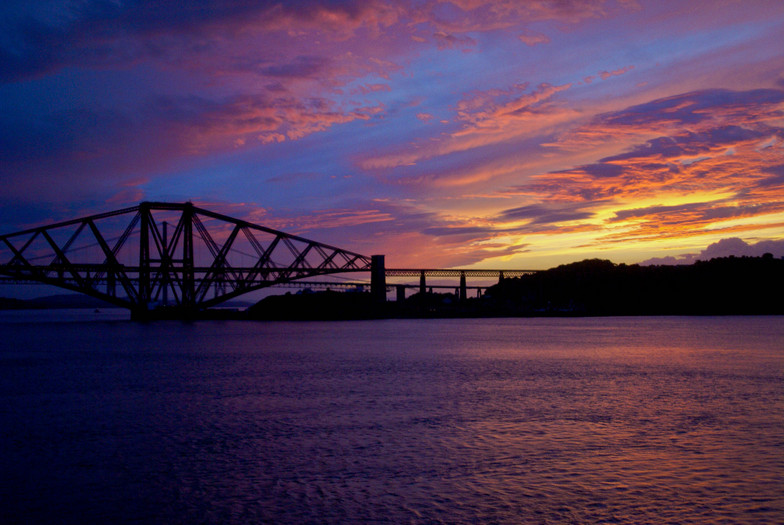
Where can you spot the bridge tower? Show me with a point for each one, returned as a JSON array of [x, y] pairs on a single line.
[[378, 279]]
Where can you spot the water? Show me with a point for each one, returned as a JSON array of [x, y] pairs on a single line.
[[613, 420]]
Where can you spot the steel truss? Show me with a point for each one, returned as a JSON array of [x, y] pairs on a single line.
[[183, 253]]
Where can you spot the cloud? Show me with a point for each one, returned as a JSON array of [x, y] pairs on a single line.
[[707, 175], [608, 74], [598, 170], [300, 67], [486, 118], [101, 34], [700, 129], [43, 38], [449, 41], [486, 109], [729, 247], [217, 76], [367, 89], [688, 143], [691, 219], [533, 38], [478, 15], [774, 182], [323, 219], [212, 94], [84, 144], [404, 231], [698, 107], [211, 76], [472, 231], [544, 214], [292, 117]]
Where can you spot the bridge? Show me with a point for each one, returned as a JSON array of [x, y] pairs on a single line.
[[180, 258]]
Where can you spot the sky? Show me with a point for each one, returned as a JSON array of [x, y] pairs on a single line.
[[463, 133]]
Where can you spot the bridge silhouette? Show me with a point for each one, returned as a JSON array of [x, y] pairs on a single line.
[[179, 259]]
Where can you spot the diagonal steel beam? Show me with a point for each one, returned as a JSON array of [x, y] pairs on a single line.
[[218, 264], [113, 264], [60, 255]]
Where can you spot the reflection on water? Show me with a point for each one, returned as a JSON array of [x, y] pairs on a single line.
[[630, 420]]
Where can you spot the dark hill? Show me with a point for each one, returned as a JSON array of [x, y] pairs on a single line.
[[731, 285], [328, 305]]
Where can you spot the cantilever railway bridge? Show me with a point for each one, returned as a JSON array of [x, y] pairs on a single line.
[[183, 258]]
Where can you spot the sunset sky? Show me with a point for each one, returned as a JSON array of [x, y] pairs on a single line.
[[500, 134]]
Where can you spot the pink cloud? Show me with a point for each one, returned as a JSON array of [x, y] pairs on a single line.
[[608, 74], [533, 38], [252, 118], [478, 15]]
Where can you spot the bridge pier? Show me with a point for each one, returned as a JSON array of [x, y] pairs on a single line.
[[463, 290], [378, 279]]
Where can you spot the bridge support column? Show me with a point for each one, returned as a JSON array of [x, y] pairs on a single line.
[[463, 290], [188, 299], [401, 293], [422, 283], [378, 279], [145, 292], [167, 255]]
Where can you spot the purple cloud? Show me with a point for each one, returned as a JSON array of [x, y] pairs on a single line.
[[693, 108], [300, 67], [691, 143], [543, 214]]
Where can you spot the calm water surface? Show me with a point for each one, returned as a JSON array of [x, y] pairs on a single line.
[[613, 420]]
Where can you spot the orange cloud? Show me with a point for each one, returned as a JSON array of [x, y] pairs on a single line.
[[267, 120], [720, 160]]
